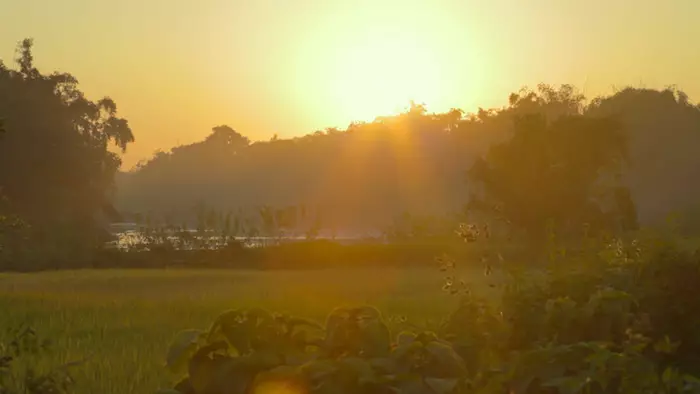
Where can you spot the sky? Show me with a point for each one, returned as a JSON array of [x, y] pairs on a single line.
[[177, 68]]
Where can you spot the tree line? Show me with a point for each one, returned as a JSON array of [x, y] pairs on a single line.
[[549, 159], [549, 154]]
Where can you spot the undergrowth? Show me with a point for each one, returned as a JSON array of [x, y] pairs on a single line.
[[614, 320]]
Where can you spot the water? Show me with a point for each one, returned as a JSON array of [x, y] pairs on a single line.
[[126, 237]]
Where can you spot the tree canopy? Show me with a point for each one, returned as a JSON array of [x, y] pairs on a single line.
[[549, 155], [554, 173], [56, 166], [370, 172]]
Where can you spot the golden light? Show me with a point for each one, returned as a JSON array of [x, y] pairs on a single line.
[[380, 73], [278, 387]]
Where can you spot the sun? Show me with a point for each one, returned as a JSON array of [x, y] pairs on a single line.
[[382, 73]]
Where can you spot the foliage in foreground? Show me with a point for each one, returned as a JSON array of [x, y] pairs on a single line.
[[17, 373], [611, 325]]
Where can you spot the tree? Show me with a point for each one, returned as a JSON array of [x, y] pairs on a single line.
[[56, 168], [551, 173], [226, 136], [663, 130]]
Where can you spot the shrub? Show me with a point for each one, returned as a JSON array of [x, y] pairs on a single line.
[[255, 351], [17, 373], [616, 321]]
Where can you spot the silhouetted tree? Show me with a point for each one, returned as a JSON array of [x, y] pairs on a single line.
[[55, 166], [663, 130], [551, 173], [370, 172]]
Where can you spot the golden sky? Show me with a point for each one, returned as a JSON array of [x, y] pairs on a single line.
[[176, 68]]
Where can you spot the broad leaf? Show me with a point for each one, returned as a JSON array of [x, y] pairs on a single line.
[[405, 338], [319, 369], [295, 322], [450, 363], [441, 386], [183, 346], [376, 338], [358, 367]]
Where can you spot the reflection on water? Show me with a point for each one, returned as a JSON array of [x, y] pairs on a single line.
[[130, 239]]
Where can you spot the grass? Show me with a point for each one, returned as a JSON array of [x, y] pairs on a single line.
[[124, 319]]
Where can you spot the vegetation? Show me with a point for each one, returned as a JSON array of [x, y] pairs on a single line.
[[556, 191], [561, 185], [18, 377], [123, 320], [56, 171], [586, 171], [603, 326], [362, 177]]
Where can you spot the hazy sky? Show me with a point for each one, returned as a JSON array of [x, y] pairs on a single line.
[[176, 68]]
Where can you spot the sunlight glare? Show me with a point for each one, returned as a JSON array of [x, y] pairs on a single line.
[[381, 74], [278, 387]]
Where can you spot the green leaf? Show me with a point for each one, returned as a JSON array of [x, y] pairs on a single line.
[[298, 358], [691, 384], [405, 338], [376, 338], [201, 372], [183, 346], [262, 360], [184, 386], [319, 369], [411, 386], [337, 329], [666, 346], [259, 316], [298, 321], [450, 363], [427, 337], [441, 386], [202, 366], [368, 312], [383, 364], [359, 368], [232, 376], [227, 319], [168, 391], [407, 350], [283, 379], [332, 387], [670, 375], [569, 384], [337, 317]]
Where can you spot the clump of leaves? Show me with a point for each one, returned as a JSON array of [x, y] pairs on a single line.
[[254, 351], [17, 374]]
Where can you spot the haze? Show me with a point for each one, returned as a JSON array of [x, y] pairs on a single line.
[[177, 68]]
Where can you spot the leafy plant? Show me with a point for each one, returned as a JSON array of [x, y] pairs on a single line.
[[252, 350], [17, 373]]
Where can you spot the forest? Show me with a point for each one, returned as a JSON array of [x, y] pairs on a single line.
[[365, 176], [547, 246]]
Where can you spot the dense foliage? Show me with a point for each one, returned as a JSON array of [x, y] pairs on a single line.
[[606, 322], [363, 176], [56, 167], [18, 375], [558, 174]]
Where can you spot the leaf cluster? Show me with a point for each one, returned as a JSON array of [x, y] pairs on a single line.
[[254, 351]]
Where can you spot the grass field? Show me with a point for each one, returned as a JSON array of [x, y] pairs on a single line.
[[124, 319]]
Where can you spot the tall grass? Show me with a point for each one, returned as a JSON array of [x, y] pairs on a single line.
[[122, 320]]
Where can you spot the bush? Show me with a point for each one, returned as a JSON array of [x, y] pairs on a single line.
[[17, 373], [255, 351], [619, 320]]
